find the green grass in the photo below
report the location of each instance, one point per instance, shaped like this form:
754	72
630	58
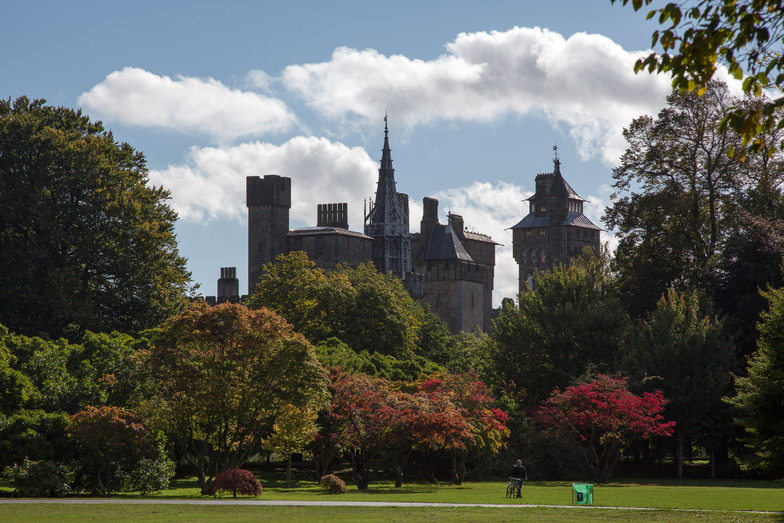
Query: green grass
690	494
714	501
144	513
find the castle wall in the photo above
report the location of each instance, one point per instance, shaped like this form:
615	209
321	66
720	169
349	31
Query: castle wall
455	291
330	248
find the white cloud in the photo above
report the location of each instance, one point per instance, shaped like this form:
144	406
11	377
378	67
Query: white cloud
190	105
585	82
211	185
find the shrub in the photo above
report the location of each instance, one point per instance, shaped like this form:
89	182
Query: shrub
238	481
150	475
333	484
38	479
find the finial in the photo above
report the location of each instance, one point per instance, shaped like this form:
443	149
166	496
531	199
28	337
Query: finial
556	161
386	117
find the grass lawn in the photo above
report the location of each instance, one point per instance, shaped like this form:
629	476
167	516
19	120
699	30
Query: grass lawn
190	513
714	501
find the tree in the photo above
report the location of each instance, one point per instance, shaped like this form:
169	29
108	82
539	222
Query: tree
760	394
224	374
487	429
112	444
292	432
238	481
750	261
570	321
363	308
686	354
86	243
375	423
602	416
742	35
674	190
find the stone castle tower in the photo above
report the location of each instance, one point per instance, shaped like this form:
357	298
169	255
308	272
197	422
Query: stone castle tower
555	229
268	200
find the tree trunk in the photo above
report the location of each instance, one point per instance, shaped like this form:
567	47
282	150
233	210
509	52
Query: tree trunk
288	473
680	455
398	474
360	475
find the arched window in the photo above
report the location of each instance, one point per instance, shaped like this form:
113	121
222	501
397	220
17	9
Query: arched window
523	256
533	255
542	256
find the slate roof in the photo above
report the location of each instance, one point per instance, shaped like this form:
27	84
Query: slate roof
532	221
572	193
479	237
445	245
323	231
572	218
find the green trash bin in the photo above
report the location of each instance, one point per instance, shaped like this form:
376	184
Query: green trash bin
582	494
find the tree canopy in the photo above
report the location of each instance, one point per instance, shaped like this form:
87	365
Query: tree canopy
684	353
743	35
224	375
677	196
761	393
603	416
363	308
87	244
570	321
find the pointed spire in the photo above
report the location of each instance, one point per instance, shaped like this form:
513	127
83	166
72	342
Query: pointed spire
558	185
386	153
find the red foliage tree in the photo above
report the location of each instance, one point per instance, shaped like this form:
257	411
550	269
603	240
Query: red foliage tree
237	481
602	415
374	422
486	426
109	439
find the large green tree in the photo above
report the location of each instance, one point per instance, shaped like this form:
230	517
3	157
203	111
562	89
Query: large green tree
676	190
684	353
224	375
363	308
569	322
87	244
743	35
760	395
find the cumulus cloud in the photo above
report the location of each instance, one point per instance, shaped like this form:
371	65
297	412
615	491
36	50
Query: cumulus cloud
211	184
192	105
585	82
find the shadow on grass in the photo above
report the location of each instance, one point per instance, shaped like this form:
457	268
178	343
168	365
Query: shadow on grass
724	483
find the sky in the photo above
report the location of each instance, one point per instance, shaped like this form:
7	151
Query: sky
477	95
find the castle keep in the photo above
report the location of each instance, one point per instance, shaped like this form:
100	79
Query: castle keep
443	265
554	230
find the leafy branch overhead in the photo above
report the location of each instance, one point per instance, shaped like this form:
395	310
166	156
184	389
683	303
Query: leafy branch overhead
745	36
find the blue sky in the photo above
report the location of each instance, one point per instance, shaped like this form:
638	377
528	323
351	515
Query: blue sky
477	93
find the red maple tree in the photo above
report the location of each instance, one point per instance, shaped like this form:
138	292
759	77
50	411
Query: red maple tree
602	415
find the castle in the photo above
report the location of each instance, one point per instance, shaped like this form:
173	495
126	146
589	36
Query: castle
555	229
444	266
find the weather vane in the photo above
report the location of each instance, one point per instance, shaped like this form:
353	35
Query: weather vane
555	148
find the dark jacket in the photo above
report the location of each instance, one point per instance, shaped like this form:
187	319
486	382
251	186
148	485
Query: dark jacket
518	472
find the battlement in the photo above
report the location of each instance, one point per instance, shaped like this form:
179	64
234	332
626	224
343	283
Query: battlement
271	190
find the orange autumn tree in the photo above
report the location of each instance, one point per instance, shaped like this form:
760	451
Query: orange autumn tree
225	373
487	429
